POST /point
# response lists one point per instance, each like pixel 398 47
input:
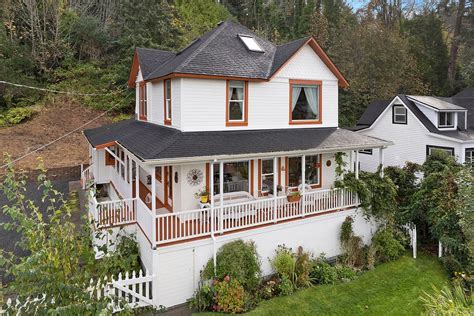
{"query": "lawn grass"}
pixel 390 289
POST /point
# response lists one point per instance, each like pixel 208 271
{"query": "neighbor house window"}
pixel 305 102
pixel 445 119
pixel 142 101
pixel 469 159
pixel 167 100
pixel 312 171
pixel 236 177
pixel 366 151
pixel 236 104
pixel 266 176
pixel 430 149
pixel 399 114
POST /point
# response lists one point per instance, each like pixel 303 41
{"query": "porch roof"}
pixel 150 141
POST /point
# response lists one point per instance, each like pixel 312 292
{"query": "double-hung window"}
pixel 430 149
pixel 469 156
pixel 142 101
pixel 445 119
pixel 167 101
pixel 305 102
pixel 399 114
pixel 267 176
pixel 237 107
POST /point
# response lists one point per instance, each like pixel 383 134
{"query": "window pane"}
pixel 236 177
pixel 267 166
pixel 400 110
pixel 312 169
pixel 294 171
pixel 168 89
pixel 305 102
pixel 449 119
pixel 236 112
pixel 267 183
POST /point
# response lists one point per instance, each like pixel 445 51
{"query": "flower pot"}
pixel 204 199
pixel 293 198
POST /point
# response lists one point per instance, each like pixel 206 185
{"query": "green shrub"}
pixel 285 287
pixel 125 256
pixel 323 272
pixel 203 298
pixel 388 247
pixel 371 257
pixel 303 267
pixel 451 265
pixel 351 244
pixel 346 230
pixel 447 301
pixel 16 115
pixel 269 289
pixel 229 296
pixel 240 261
pixel 345 273
pixel 284 264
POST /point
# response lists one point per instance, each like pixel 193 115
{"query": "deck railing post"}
pixel 303 184
pixel 221 197
pixel 275 189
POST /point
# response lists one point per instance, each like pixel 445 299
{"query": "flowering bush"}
pixel 229 296
pixel 269 289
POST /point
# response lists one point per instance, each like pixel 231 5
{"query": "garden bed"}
pixel 391 288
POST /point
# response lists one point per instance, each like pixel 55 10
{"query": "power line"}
pixel 54 91
pixel 58 139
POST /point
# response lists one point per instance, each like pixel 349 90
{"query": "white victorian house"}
pixel 417 125
pixel 243 119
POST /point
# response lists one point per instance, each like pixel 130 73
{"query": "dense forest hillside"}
pixel 383 47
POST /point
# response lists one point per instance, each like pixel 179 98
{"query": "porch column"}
pixel 351 161
pixel 221 195
pixel 213 219
pixel 130 173
pixel 303 183
pixel 137 181
pixel 381 158
pixel 357 164
pixel 275 189
pixel 153 205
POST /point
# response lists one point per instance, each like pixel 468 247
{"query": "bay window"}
pixel 236 107
pixel 305 102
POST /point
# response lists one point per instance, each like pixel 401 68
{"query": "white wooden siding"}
pixel 409 140
pixel 200 104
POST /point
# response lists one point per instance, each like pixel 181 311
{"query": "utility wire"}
pixel 59 138
pixel 54 91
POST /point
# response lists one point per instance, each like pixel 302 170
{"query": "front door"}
pixel 169 187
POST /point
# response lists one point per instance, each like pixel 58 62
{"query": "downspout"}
pixel 214 256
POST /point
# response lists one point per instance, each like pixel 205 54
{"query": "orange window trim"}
pixel 314 186
pixel 208 177
pixel 228 122
pixel 320 104
pixel 251 177
pixel 142 115
pixel 165 96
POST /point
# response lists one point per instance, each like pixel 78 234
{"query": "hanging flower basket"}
pixel 293 196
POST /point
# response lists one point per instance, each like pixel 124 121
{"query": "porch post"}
pixel 351 161
pixel 303 183
pixel 153 204
pixel 381 158
pixel 221 195
pixel 130 173
pixel 137 181
pixel 357 164
pixel 275 189
pixel 211 174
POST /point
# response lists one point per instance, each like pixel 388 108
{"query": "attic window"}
pixel 251 43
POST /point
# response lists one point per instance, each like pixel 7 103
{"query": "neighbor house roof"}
pixel 150 141
pixel 221 53
pixel 465 102
pixel 440 104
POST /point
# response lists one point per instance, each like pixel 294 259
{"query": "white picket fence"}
pixel 127 291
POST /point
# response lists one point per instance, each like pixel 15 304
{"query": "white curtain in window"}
pixel 294 96
pixel 312 98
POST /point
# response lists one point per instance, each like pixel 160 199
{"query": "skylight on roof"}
pixel 250 43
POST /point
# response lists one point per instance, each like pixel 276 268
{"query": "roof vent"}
pixel 250 43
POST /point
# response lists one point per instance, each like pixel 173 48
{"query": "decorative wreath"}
pixel 194 177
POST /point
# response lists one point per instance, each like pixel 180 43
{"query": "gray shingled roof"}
pixel 437 103
pixel 220 52
pixel 464 99
pixel 148 58
pixel 154 142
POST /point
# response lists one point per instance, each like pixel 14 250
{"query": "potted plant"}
pixel 202 195
pixel 293 196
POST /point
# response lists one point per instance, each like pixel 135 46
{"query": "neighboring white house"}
pixel 244 119
pixel 417 125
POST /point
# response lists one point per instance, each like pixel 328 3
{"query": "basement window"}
pixel 251 43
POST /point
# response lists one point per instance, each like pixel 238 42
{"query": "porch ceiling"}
pixel 154 142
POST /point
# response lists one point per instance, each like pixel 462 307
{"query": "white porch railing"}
pixel 87 177
pixel 196 223
pixel 112 213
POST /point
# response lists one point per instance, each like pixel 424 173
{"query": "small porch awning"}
pixel 154 143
